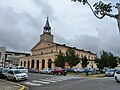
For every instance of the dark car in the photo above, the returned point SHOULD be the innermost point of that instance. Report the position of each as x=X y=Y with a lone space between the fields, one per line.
x=69 y=70
x=59 y=71
x=3 y=73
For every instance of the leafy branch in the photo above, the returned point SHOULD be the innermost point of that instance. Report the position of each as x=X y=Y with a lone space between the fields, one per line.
x=101 y=9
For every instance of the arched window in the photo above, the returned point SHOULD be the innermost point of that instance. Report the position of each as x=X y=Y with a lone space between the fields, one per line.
x=49 y=63
x=28 y=64
x=32 y=63
x=21 y=63
x=37 y=66
x=24 y=63
x=43 y=63
x=59 y=51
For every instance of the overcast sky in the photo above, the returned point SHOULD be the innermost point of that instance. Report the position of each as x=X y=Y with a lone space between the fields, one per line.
x=73 y=24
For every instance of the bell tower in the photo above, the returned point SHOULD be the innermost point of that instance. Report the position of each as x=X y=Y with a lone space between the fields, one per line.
x=46 y=36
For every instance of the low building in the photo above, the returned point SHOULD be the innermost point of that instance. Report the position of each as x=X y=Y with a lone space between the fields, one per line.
x=46 y=50
x=10 y=58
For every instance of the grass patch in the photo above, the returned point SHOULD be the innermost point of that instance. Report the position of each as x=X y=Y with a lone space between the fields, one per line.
x=90 y=75
x=100 y=75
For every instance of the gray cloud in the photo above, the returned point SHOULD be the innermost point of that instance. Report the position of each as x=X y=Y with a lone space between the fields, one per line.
x=20 y=31
x=16 y=37
x=45 y=8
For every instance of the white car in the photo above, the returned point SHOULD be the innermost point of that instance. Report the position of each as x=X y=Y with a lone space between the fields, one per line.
x=16 y=75
x=117 y=75
x=46 y=71
x=22 y=68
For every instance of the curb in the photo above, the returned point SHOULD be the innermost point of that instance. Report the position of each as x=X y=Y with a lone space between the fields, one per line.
x=22 y=86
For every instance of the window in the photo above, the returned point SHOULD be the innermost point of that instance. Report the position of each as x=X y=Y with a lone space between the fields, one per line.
x=41 y=52
x=59 y=51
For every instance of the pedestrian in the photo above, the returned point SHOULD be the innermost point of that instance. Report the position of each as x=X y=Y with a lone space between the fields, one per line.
x=86 y=72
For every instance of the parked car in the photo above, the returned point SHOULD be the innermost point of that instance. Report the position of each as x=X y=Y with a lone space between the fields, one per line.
x=117 y=75
x=21 y=68
x=69 y=69
x=3 y=73
x=110 y=72
x=88 y=69
x=59 y=71
x=46 y=71
x=78 y=70
x=33 y=70
x=105 y=69
x=16 y=75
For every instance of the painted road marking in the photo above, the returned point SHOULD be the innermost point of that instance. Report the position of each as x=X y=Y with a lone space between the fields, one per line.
x=33 y=84
x=47 y=80
x=41 y=82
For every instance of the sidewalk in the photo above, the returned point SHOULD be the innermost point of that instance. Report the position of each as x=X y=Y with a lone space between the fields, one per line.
x=6 y=85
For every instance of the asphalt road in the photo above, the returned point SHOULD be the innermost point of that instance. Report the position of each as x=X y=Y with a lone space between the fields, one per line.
x=54 y=82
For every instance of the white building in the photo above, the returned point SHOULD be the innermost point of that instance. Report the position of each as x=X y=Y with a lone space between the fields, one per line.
x=8 y=58
x=2 y=55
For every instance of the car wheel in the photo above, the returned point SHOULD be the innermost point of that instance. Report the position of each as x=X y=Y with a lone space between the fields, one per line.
x=52 y=73
x=46 y=73
x=64 y=74
x=116 y=79
x=14 y=79
x=59 y=73
x=7 y=79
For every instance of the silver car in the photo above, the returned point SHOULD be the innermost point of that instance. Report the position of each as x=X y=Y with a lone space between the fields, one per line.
x=16 y=75
x=46 y=71
x=110 y=72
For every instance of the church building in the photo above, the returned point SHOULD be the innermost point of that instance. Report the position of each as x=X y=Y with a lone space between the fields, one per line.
x=46 y=50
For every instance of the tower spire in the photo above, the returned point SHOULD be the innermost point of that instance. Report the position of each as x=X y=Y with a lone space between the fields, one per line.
x=46 y=36
x=47 y=27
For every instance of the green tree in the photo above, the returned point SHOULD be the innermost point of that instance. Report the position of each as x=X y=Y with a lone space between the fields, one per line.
x=99 y=63
x=71 y=57
x=84 y=62
x=112 y=60
x=104 y=56
x=60 y=60
x=106 y=60
x=101 y=9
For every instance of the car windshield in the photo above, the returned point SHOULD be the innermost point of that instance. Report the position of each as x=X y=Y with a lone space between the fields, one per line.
x=18 y=71
x=110 y=70
x=20 y=67
x=50 y=68
x=5 y=70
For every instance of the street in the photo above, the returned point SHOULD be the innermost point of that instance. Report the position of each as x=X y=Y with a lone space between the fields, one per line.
x=54 y=82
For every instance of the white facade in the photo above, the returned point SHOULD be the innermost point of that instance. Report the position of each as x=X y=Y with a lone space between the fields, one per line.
x=2 y=53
